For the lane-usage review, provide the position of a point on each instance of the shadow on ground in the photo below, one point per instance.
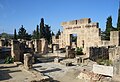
(5, 72)
(51, 70)
(47, 59)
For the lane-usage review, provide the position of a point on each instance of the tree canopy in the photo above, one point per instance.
(43, 32)
(42, 29)
(118, 21)
(58, 33)
(109, 27)
(22, 34)
(15, 34)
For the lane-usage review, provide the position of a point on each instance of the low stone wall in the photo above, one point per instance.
(98, 52)
(70, 53)
(114, 55)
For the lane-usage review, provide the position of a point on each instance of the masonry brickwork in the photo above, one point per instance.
(88, 35)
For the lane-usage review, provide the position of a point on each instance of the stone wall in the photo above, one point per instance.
(70, 53)
(114, 55)
(5, 42)
(41, 46)
(98, 52)
(88, 35)
(84, 29)
(115, 38)
(15, 50)
(1, 43)
(18, 48)
(105, 43)
(77, 22)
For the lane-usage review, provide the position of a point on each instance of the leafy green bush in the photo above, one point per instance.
(9, 60)
(79, 51)
(104, 62)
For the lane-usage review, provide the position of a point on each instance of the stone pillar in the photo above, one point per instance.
(52, 48)
(1, 43)
(55, 48)
(28, 61)
(36, 45)
(41, 46)
(115, 38)
(15, 50)
(31, 45)
(67, 51)
(78, 60)
(44, 46)
(70, 53)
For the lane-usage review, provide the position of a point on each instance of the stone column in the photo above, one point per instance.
(15, 50)
(31, 45)
(44, 46)
(36, 45)
(67, 51)
(28, 61)
(1, 43)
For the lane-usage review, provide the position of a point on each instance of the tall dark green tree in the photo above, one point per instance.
(15, 34)
(109, 27)
(118, 21)
(22, 34)
(58, 33)
(42, 29)
(37, 32)
(34, 34)
(48, 35)
(43, 32)
(53, 34)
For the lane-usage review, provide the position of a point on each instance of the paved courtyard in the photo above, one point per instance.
(61, 72)
(11, 73)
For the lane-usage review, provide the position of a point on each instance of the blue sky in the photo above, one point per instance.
(14, 13)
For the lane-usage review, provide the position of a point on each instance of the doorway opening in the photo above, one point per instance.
(73, 40)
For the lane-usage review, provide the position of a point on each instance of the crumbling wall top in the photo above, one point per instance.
(76, 22)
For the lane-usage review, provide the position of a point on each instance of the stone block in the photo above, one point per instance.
(28, 61)
(57, 60)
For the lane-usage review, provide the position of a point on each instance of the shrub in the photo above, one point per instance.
(104, 62)
(9, 60)
(79, 51)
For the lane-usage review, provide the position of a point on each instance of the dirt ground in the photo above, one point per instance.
(12, 73)
(57, 71)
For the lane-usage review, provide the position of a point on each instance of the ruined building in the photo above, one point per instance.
(88, 35)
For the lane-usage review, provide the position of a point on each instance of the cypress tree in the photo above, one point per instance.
(53, 34)
(48, 35)
(34, 34)
(109, 27)
(37, 32)
(58, 33)
(15, 34)
(42, 29)
(118, 21)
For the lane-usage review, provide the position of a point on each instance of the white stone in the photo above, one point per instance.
(104, 70)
